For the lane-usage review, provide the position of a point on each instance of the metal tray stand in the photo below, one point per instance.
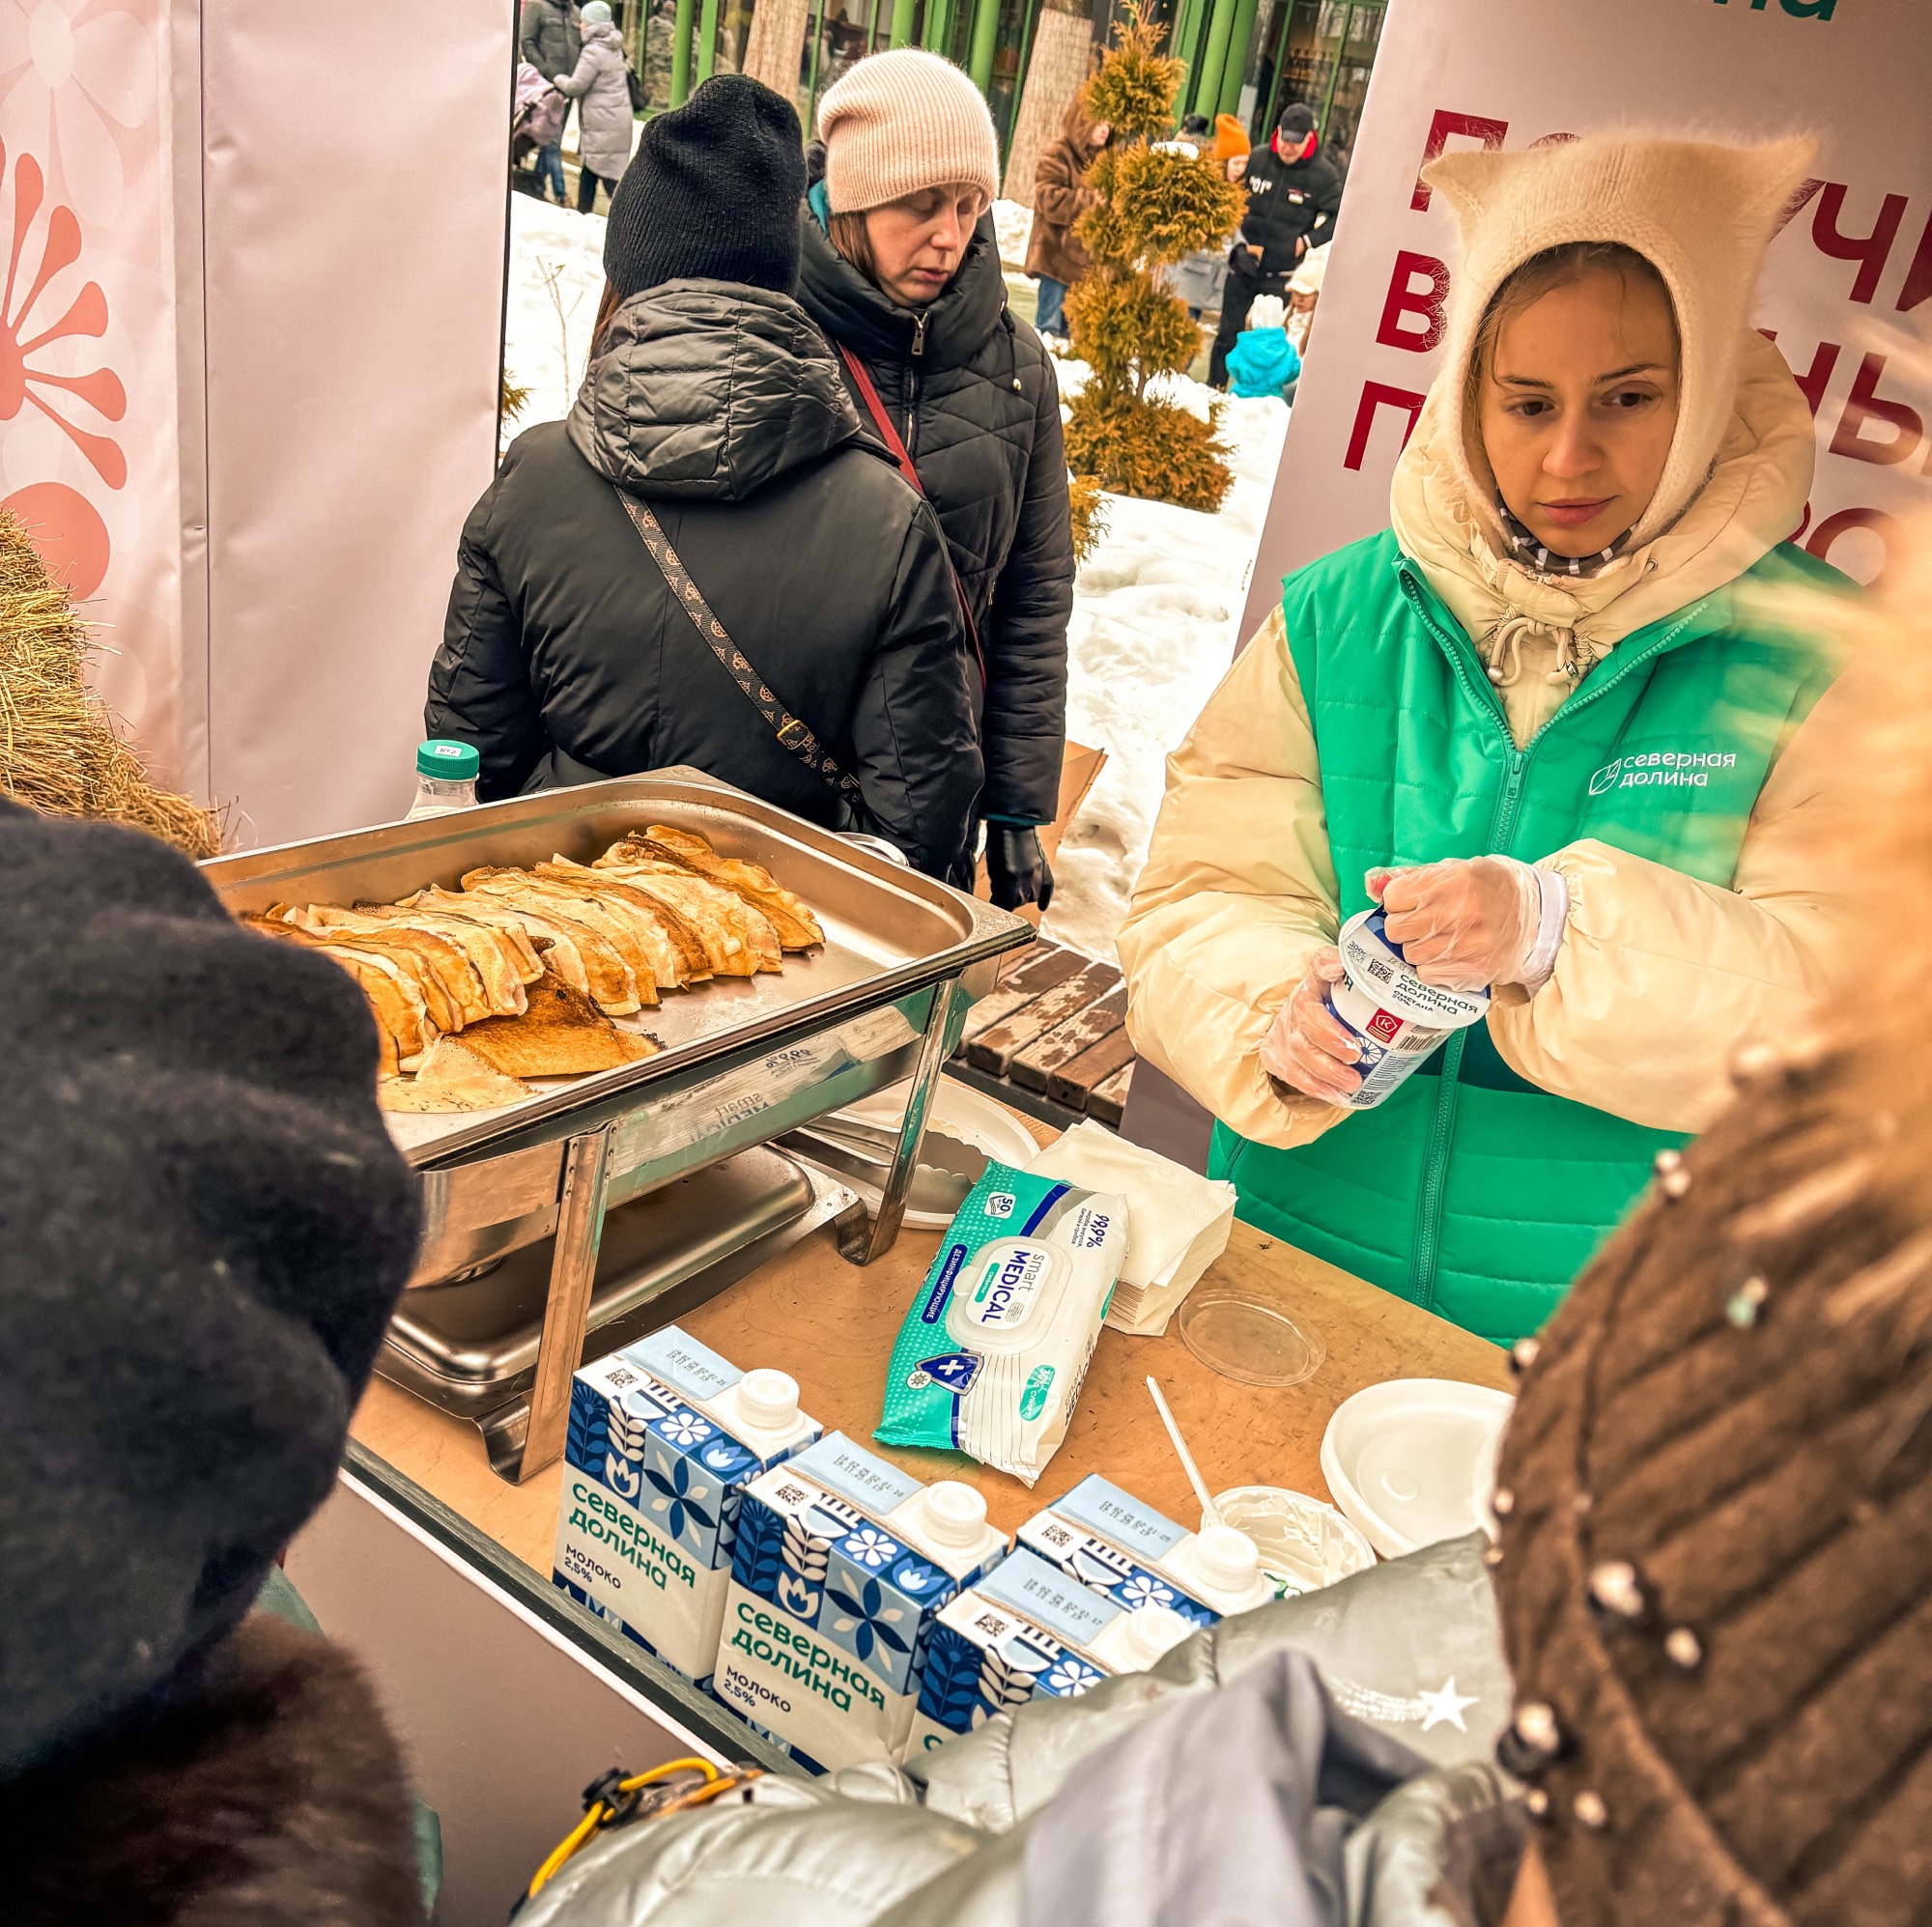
(743, 1061)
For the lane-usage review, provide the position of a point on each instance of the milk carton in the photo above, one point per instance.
(840, 1565)
(1396, 1019)
(1029, 1632)
(663, 1437)
(1129, 1553)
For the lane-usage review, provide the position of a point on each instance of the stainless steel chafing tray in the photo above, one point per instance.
(744, 1060)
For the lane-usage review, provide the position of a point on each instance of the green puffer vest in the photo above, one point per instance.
(1472, 1191)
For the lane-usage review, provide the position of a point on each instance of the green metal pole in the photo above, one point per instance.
(707, 41)
(902, 12)
(986, 40)
(1187, 41)
(811, 84)
(937, 31)
(1236, 71)
(1214, 60)
(680, 53)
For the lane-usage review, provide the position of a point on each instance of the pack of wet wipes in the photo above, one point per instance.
(1107, 1540)
(992, 1351)
(1029, 1632)
(841, 1564)
(663, 1437)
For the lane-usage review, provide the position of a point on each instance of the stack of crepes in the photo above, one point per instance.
(519, 973)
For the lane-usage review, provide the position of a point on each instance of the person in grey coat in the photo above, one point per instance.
(550, 38)
(603, 94)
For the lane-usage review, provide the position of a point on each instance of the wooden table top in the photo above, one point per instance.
(831, 1326)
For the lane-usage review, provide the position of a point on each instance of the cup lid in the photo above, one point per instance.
(453, 762)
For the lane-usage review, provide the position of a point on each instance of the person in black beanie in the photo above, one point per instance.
(203, 1231)
(714, 423)
(1294, 197)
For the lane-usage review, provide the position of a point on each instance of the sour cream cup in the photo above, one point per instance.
(1396, 1018)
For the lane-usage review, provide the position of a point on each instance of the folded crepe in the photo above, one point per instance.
(453, 1078)
(601, 968)
(686, 958)
(465, 998)
(738, 937)
(395, 1000)
(793, 918)
(561, 1034)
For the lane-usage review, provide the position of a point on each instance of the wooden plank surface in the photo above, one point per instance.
(994, 1049)
(1077, 1080)
(1108, 1099)
(1040, 974)
(1106, 1015)
(831, 1325)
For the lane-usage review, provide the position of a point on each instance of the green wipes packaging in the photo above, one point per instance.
(991, 1354)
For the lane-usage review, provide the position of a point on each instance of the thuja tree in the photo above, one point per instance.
(1157, 206)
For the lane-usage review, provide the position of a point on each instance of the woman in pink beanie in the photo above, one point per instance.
(901, 268)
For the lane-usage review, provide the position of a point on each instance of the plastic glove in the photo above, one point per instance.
(1305, 1047)
(1468, 922)
(1017, 866)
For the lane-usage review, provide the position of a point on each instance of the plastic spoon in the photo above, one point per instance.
(1210, 1512)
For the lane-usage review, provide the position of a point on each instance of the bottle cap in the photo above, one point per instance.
(1153, 1630)
(453, 762)
(956, 1515)
(769, 1398)
(1227, 1559)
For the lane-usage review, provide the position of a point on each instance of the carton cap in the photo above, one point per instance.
(1151, 1630)
(769, 1398)
(956, 1515)
(1226, 1558)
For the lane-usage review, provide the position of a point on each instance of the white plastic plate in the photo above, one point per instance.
(1412, 1461)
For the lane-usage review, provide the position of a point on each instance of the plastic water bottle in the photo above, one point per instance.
(445, 779)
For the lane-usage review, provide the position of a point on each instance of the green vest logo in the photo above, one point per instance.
(1663, 769)
(1605, 778)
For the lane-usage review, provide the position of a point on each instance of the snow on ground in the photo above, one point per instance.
(1156, 615)
(1156, 608)
(556, 279)
(1013, 222)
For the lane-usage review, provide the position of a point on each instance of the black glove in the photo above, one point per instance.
(1017, 866)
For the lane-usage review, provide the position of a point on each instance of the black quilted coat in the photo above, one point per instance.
(565, 656)
(973, 395)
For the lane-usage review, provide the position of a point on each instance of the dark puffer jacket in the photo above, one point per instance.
(565, 656)
(971, 393)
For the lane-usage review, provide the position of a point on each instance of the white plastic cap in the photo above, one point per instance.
(1227, 1559)
(955, 1514)
(769, 1398)
(1151, 1630)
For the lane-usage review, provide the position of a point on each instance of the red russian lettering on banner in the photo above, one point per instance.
(1870, 250)
(1376, 395)
(1427, 304)
(1918, 276)
(1863, 405)
(1827, 532)
(1816, 378)
(1442, 127)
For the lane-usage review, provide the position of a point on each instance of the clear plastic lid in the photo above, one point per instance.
(450, 762)
(1247, 1340)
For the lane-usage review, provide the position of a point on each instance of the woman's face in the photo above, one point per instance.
(1578, 403)
(919, 242)
(1098, 133)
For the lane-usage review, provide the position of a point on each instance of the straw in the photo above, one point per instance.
(1210, 1512)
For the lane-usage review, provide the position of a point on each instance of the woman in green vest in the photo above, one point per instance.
(1554, 720)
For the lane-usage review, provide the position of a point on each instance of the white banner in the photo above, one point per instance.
(252, 259)
(1848, 276)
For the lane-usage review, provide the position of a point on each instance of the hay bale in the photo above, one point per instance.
(60, 751)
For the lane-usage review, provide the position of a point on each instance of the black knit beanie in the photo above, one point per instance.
(203, 1231)
(712, 193)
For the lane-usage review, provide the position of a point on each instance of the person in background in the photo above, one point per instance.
(1199, 279)
(1055, 257)
(204, 1228)
(1549, 721)
(605, 124)
(567, 655)
(1294, 197)
(901, 270)
(1304, 291)
(550, 38)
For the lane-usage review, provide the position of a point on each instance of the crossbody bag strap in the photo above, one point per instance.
(792, 734)
(896, 448)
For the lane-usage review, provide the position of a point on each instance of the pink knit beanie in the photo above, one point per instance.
(903, 122)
